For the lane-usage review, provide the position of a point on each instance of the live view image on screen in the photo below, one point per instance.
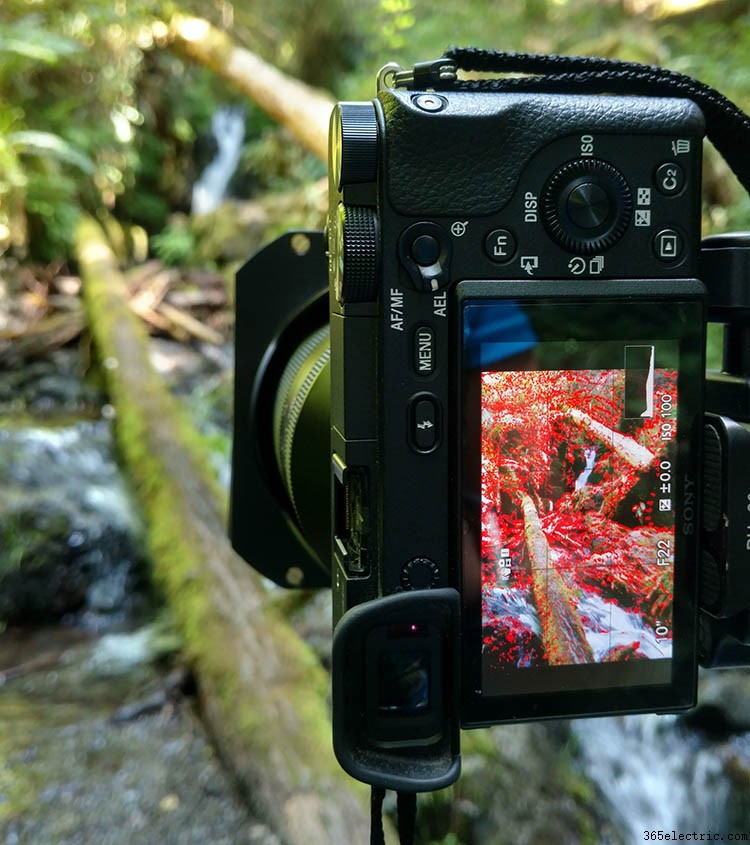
(578, 515)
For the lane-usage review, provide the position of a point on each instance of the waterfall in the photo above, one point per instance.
(654, 775)
(228, 128)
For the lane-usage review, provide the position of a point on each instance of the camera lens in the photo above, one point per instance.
(301, 433)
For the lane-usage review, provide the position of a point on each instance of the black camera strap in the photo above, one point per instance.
(727, 127)
(406, 816)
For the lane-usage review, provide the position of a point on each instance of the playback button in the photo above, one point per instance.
(424, 422)
(669, 246)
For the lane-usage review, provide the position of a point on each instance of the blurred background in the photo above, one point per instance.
(104, 115)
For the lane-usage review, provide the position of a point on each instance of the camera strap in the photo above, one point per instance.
(727, 126)
(406, 816)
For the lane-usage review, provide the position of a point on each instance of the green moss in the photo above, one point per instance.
(183, 516)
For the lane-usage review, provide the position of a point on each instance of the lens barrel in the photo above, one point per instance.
(301, 432)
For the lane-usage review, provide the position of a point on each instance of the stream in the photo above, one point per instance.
(656, 774)
(101, 741)
(100, 736)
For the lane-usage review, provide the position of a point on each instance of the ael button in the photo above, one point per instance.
(425, 253)
(424, 423)
(425, 250)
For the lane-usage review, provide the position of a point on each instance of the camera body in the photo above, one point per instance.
(514, 289)
(510, 334)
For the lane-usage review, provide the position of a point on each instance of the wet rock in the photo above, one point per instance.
(521, 784)
(723, 703)
(56, 385)
(70, 534)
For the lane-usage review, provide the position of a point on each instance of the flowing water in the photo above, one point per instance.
(605, 624)
(99, 741)
(228, 129)
(657, 775)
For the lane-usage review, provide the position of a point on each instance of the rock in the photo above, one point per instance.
(71, 537)
(520, 784)
(73, 774)
(723, 703)
(50, 387)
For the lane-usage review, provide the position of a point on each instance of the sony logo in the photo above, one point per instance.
(688, 508)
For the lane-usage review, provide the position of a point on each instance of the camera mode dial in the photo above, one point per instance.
(586, 206)
(354, 143)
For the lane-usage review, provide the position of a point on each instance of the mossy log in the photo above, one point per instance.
(263, 692)
(562, 633)
(302, 109)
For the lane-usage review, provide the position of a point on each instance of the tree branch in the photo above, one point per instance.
(302, 109)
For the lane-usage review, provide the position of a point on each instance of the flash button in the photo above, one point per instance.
(424, 423)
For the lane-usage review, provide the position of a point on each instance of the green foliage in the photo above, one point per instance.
(64, 74)
(95, 114)
(175, 244)
(279, 164)
(53, 146)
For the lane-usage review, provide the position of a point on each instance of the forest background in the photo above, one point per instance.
(103, 118)
(95, 116)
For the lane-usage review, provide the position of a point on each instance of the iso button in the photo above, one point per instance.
(424, 423)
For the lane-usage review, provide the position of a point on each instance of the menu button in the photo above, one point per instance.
(424, 351)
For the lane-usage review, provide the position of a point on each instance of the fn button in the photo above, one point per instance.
(424, 423)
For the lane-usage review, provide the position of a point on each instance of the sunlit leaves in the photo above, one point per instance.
(32, 142)
(66, 70)
(398, 19)
(29, 39)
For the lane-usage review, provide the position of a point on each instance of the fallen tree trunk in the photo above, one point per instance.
(302, 109)
(562, 633)
(629, 450)
(262, 690)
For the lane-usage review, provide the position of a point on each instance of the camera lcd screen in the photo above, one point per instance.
(577, 577)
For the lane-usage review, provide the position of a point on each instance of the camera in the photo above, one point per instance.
(476, 407)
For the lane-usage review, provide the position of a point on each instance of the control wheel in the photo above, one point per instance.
(420, 573)
(353, 253)
(586, 206)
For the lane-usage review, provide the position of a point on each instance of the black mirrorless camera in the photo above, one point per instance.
(476, 407)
